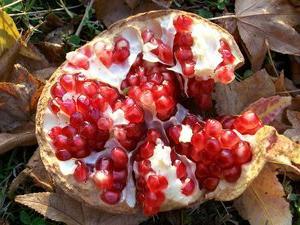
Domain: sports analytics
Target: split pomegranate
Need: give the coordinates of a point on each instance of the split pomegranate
(116, 124)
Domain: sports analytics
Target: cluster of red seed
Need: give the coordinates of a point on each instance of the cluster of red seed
(216, 149)
(153, 87)
(149, 185)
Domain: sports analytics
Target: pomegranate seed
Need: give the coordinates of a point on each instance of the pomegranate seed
(225, 74)
(104, 123)
(79, 79)
(68, 106)
(69, 131)
(249, 120)
(144, 167)
(82, 153)
(164, 107)
(155, 78)
(229, 139)
(215, 170)
(188, 68)
(193, 122)
(104, 163)
(109, 93)
(146, 150)
(154, 199)
(188, 188)
(103, 54)
(210, 183)
(204, 101)
(120, 176)
(153, 135)
(183, 23)
(228, 122)
(55, 131)
(87, 130)
(78, 59)
(57, 91)
(198, 140)
(174, 133)
(183, 148)
(53, 106)
(110, 197)
(121, 51)
(76, 119)
(157, 183)
(207, 86)
(180, 170)
(81, 172)
(213, 128)
(232, 174)
(228, 58)
(60, 141)
(67, 81)
(201, 171)
(89, 88)
(183, 39)
(78, 142)
(183, 54)
(242, 152)
(103, 179)
(63, 154)
(213, 146)
(98, 102)
(119, 158)
(147, 35)
(134, 114)
(225, 158)
(150, 211)
(133, 80)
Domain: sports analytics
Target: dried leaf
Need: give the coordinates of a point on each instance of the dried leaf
(279, 83)
(44, 74)
(60, 207)
(233, 98)
(9, 32)
(9, 141)
(7, 61)
(263, 202)
(55, 53)
(132, 3)
(268, 109)
(294, 118)
(293, 134)
(295, 69)
(163, 3)
(3, 222)
(259, 21)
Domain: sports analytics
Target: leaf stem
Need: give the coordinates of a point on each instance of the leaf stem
(230, 16)
(86, 13)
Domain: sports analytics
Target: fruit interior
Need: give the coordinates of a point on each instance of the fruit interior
(116, 115)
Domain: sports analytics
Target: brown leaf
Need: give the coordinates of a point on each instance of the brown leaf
(3, 222)
(54, 52)
(280, 84)
(9, 141)
(294, 118)
(263, 202)
(295, 69)
(259, 21)
(44, 74)
(60, 207)
(163, 3)
(116, 10)
(233, 98)
(132, 3)
(293, 134)
(7, 60)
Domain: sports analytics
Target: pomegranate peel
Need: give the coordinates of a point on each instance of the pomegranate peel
(104, 117)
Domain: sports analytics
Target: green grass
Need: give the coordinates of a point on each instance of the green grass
(31, 13)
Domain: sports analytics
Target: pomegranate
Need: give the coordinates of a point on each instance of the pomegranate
(112, 129)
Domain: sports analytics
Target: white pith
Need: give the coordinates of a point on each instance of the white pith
(114, 75)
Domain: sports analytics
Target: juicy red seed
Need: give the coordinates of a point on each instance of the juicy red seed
(207, 156)
(183, 54)
(78, 142)
(225, 74)
(198, 140)
(133, 80)
(82, 153)
(121, 51)
(60, 141)
(180, 170)
(195, 154)
(201, 171)
(53, 106)
(104, 54)
(188, 68)
(110, 197)
(119, 158)
(68, 106)
(103, 179)
(63, 154)
(55, 131)
(155, 78)
(76, 119)
(78, 59)
(146, 150)
(57, 91)
(134, 114)
(193, 122)
(81, 172)
(174, 133)
(242, 152)
(188, 188)
(229, 139)
(232, 174)
(153, 135)
(210, 183)
(228, 122)
(183, 148)
(154, 199)
(213, 128)
(183, 23)
(98, 102)
(164, 53)
(109, 94)
(67, 81)
(149, 210)
(183, 39)
(144, 167)
(89, 88)
(225, 158)
(87, 130)
(104, 164)
(204, 101)
(212, 145)
(104, 123)
(207, 86)
(228, 58)
(157, 183)
(215, 170)
(69, 131)
(120, 176)
(147, 35)
(249, 120)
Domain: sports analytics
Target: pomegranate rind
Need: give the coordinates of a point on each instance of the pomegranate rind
(87, 191)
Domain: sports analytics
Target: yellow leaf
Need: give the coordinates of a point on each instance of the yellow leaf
(8, 31)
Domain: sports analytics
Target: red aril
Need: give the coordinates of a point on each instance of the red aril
(110, 197)
(229, 139)
(188, 187)
(157, 183)
(63, 154)
(81, 172)
(183, 23)
(119, 158)
(103, 179)
(232, 174)
(225, 159)
(242, 152)
(213, 128)
(210, 183)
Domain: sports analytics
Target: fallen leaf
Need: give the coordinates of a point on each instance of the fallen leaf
(9, 31)
(60, 207)
(233, 98)
(294, 118)
(132, 3)
(295, 69)
(263, 202)
(163, 3)
(268, 109)
(280, 83)
(44, 74)
(55, 53)
(25, 137)
(3, 222)
(259, 21)
(7, 61)
(293, 134)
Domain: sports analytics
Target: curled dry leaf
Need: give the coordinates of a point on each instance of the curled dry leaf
(60, 207)
(7, 60)
(44, 74)
(294, 133)
(263, 202)
(259, 21)
(233, 98)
